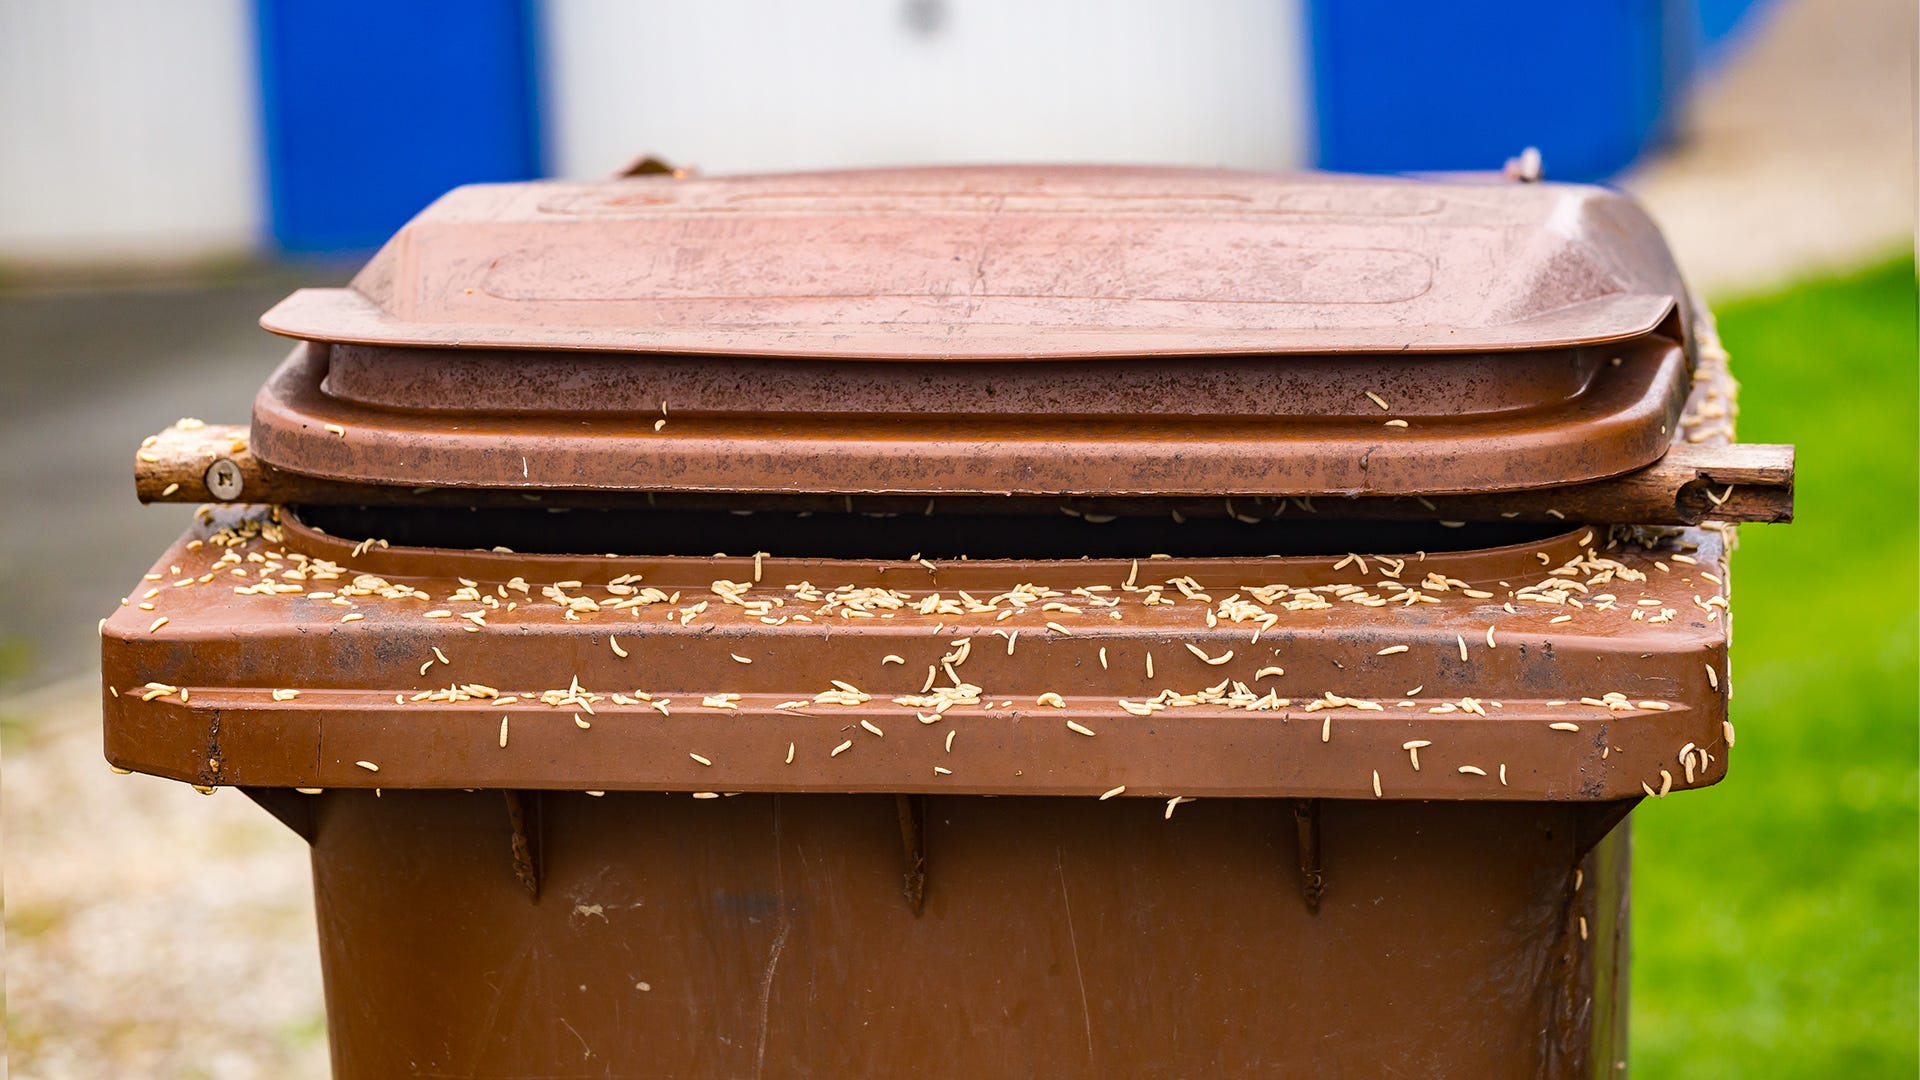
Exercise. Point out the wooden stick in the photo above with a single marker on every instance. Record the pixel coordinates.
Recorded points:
(1691, 484)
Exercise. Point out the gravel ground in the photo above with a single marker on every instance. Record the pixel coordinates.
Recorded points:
(152, 932)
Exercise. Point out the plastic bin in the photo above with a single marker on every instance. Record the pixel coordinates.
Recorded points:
(926, 776)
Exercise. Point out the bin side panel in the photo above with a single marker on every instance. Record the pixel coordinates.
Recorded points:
(768, 934)
(1608, 868)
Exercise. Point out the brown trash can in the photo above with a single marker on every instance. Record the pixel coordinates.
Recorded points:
(1170, 623)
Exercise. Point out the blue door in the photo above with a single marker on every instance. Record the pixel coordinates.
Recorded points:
(373, 108)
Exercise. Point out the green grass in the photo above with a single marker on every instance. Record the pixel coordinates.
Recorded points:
(1775, 915)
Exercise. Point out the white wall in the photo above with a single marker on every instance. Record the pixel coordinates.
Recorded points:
(127, 130)
(735, 85)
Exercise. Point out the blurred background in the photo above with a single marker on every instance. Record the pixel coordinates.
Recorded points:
(168, 171)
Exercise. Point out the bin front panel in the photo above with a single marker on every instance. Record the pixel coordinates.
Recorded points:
(766, 935)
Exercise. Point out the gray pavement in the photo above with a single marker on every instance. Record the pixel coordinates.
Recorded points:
(1798, 157)
(83, 376)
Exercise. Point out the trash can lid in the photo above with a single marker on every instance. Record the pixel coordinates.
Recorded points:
(1006, 263)
(1051, 331)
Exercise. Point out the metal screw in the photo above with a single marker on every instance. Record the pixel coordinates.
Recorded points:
(223, 480)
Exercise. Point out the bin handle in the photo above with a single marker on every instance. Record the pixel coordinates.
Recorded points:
(652, 165)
